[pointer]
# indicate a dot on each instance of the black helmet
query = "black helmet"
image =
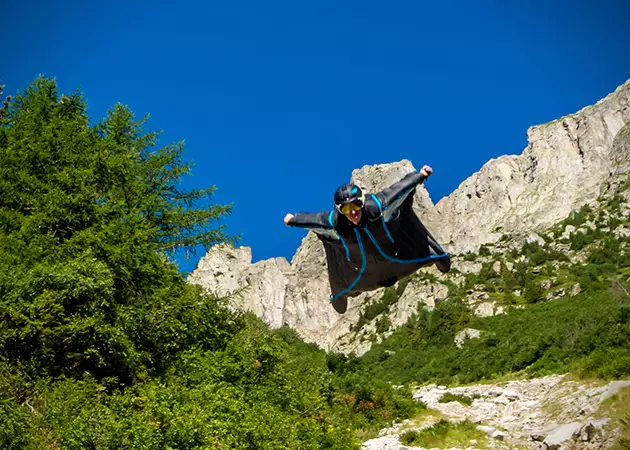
(349, 193)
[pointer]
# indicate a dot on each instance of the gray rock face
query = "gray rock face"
(219, 270)
(562, 435)
(565, 165)
(260, 287)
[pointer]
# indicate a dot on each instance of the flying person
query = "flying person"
(372, 240)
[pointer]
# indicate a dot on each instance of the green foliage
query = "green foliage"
(486, 273)
(578, 239)
(444, 434)
(470, 257)
(16, 420)
(532, 292)
(509, 283)
(624, 442)
(578, 218)
(450, 397)
(212, 399)
(538, 254)
(608, 252)
(389, 297)
(401, 286)
(591, 276)
(613, 204)
(588, 334)
(383, 325)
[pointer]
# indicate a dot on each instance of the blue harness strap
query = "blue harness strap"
(403, 261)
(345, 246)
(380, 208)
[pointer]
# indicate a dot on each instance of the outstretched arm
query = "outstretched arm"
(401, 188)
(308, 220)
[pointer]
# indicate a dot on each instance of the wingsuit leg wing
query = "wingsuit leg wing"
(443, 263)
(340, 304)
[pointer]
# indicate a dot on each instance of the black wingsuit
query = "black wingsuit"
(388, 244)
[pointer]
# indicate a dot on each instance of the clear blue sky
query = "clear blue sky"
(278, 101)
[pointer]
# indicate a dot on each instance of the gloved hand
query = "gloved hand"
(426, 170)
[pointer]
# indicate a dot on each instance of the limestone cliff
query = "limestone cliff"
(565, 165)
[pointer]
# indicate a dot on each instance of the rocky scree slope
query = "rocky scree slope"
(548, 413)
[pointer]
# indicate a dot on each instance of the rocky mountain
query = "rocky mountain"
(567, 163)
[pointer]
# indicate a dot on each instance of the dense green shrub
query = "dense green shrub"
(444, 434)
(538, 254)
(450, 397)
(588, 334)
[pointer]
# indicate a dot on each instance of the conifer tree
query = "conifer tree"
(89, 215)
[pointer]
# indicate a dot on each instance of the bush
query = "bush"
(533, 293)
(444, 434)
(389, 297)
(539, 255)
(450, 397)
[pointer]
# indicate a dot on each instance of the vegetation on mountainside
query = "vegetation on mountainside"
(445, 434)
(587, 333)
(390, 296)
(450, 397)
(624, 442)
(102, 342)
(547, 326)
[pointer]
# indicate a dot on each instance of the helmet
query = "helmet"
(349, 193)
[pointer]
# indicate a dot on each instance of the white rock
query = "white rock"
(567, 231)
(562, 435)
(486, 429)
(383, 443)
(468, 333)
(499, 435)
(613, 388)
(485, 309)
(510, 394)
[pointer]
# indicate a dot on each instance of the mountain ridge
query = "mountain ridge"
(512, 194)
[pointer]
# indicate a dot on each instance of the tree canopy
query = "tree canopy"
(89, 215)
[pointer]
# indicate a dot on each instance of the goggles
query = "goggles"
(348, 207)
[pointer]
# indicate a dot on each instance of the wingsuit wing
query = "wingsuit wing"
(417, 241)
(392, 197)
(343, 270)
